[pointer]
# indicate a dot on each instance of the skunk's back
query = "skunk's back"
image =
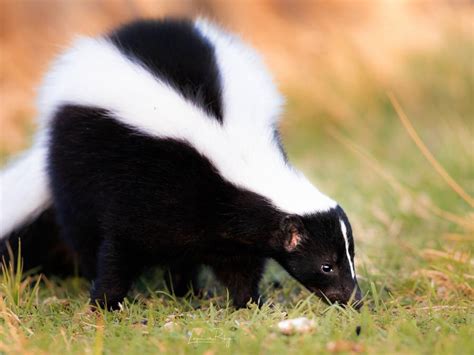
(177, 53)
(190, 82)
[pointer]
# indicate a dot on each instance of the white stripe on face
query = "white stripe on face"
(344, 234)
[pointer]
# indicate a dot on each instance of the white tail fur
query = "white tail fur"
(24, 189)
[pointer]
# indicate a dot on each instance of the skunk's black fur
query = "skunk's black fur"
(135, 201)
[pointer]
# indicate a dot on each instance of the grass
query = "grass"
(414, 242)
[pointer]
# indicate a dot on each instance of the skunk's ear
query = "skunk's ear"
(293, 232)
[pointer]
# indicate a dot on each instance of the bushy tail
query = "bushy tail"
(41, 247)
(26, 215)
(24, 191)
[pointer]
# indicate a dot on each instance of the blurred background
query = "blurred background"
(338, 63)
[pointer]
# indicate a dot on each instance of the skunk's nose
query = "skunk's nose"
(357, 304)
(356, 298)
(346, 296)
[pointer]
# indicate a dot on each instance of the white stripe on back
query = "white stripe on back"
(243, 149)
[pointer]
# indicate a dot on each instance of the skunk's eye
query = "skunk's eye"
(326, 268)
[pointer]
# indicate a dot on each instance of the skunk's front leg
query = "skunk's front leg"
(116, 270)
(241, 277)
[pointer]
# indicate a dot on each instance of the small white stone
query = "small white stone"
(170, 326)
(296, 325)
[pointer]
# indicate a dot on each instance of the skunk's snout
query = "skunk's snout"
(354, 297)
(347, 296)
(357, 302)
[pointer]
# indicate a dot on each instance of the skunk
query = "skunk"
(158, 144)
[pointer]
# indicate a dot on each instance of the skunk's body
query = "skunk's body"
(159, 145)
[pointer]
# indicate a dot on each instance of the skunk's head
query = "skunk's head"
(319, 253)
